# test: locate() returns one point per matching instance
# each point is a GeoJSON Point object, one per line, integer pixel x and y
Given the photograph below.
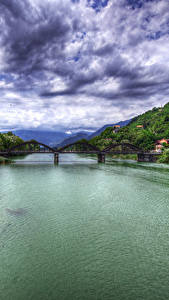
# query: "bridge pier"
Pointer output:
{"type": "Point", "coordinates": [56, 158]}
{"type": "Point", "coordinates": [101, 158]}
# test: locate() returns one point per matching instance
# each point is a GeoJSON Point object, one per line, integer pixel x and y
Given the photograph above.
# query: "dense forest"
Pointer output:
{"type": "Point", "coordinates": [142, 131]}
{"type": "Point", "coordinates": [8, 140]}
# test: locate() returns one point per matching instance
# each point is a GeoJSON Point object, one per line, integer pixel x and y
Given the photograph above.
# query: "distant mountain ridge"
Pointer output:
{"type": "Point", "coordinates": [87, 136]}
{"type": "Point", "coordinates": [46, 137]}
{"type": "Point", "coordinates": [73, 139]}
{"type": "Point", "coordinates": [99, 131]}
{"type": "Point", "coordinates": [58, 138]}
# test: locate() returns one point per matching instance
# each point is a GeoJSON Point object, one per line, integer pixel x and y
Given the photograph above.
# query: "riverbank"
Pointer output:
{"type": "Point", "coordinates": [164, 158]}
{"type": "Point", "coordinates": [4, 160]}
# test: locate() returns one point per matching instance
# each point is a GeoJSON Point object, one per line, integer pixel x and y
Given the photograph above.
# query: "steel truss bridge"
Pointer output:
{"type": "Point", "coordinates": [31, 147]}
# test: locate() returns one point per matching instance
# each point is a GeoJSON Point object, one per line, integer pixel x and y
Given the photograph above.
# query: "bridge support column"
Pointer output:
{"type": "Point", "coordinates": [101, 158]}
{"type": "Point", "coordinates": [56, 158]}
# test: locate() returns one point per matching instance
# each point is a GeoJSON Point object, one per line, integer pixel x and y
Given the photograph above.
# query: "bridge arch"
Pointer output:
{"type": "Point", "coordinates": [85, 144]}
{"type": "Point", "coordinates": [129, 147]}
{"type": "Point", "coordinates": [14, 148]}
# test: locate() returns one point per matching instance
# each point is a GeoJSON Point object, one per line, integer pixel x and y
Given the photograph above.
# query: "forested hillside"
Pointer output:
{"type": "Point", "coordinates": [154, 125]}
{"type": "Point", "coordinates": [7, 140]}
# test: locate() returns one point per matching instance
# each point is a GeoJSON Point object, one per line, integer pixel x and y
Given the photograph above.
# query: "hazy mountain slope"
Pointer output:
{"type": "Point", "coordinates": [55, 138]}
{"type": "Point", "coordinates": [99, 131]}
{"type": "Point", "coordinates": [73, 139]}
{"type": "Point", "coordinates": [88, 136]}
{"type": "Point", "coordinates": [46, 137]}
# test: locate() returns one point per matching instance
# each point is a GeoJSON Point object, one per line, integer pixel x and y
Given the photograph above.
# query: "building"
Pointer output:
{"type": "Point", "coordinates": [159, 144]}
{"type": "Point", "coordinates": [116, 128]}
{"type": "Point", "coordinates": [140, 126]}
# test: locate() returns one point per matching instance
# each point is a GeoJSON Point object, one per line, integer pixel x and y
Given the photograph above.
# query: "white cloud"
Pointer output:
{"type": "Point", "coordinates": [64, 65]}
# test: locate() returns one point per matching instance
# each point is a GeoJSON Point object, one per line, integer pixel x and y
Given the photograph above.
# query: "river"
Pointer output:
{"type": "Point", "coordinates": [83, 230]}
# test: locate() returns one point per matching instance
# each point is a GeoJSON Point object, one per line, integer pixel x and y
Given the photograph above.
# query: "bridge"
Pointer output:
{"type": "Point", "coordinates": [80, 147]}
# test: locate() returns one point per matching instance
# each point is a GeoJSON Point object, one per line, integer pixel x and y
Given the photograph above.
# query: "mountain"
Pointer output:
{"type": "Point", "coordinates": [99, 131]}
{"type": "Point", "coordinates": [73, 139]}
{"type": "Point", "coordinates": [57, 138]}
{"type": "Point", "coordinates": [45, 137]}
{"type": "Point", "coordinates": [142, 131]}
{"type": "Point", "coordinates": [88, 136]}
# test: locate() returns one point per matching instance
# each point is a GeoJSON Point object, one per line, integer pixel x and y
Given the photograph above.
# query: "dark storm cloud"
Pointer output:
{"type": "Point", "coordinates": [34, 43]}
{"type": "Point", "coordinates": [105, 50]}
{"type": "Point", "coordinates": [82, 56]}
{"type": "Point", "coordinates": [75, 82]}
{"type": "Point", "coordinates": [15, 8]}
{"type": "Point", "coordinates": [139, 3]}
{"type": "Point", "coordinates": [67, 92]}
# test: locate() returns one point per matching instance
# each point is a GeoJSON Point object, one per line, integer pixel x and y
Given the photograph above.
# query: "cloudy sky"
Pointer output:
{"type": "Point", "coordinates": [80, 64]}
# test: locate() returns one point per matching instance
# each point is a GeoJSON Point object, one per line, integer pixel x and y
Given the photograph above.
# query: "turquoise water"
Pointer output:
{"type": "Point", "coordinates": [82, 230]}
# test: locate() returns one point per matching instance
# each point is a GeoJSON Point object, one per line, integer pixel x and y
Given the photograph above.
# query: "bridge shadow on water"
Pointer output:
{"type": "Point", "coordinates": [152, 172]}
{"type": "Point", "coordinates": [86, 159]}
{"type": "Point", "coordinates": [68, 159]}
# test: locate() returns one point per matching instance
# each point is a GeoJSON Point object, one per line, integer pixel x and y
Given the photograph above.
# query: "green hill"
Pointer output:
{"type": "Point", "coordinates": [155, 124]}
{"type": "Point", "coordinates": [7, 140]}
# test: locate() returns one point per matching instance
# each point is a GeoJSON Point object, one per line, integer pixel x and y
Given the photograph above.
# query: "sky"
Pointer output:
{"type": "Point", "coordinates": [76, 65]}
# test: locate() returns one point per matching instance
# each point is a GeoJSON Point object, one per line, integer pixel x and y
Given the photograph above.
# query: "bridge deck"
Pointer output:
{"type": "Point", "coordinates": [76, 152]}
{"type": "Point", "coordinates": [47, 152]}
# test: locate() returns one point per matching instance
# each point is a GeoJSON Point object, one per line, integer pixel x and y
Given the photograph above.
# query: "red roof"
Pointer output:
{"type": "Point", "coordinates": [162, 141]}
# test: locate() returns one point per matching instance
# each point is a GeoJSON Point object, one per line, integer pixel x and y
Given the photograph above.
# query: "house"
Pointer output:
{"type": "Point", "coordinates": [116, 128]}
{"type": "Point", "coordinates": [159, 144]}
{"type": "Point", "coordinates": [140, 126]}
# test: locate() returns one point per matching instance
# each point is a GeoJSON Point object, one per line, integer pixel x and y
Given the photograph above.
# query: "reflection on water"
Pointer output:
{"type": "Point", "coordinates": [49, 158]}
{"type": "Point", "coordinates": [82, 230]}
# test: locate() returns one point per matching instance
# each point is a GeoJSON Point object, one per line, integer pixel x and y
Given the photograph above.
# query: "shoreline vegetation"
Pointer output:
{"type": "Point", "coordinates": [4, 160]}
{"type": "Point", "coordinates": [164, 158]}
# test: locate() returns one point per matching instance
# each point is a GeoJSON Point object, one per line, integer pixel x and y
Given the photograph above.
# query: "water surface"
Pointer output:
{"type": "Point", "coordinates": [82, 230]}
